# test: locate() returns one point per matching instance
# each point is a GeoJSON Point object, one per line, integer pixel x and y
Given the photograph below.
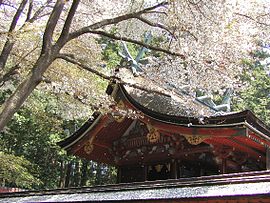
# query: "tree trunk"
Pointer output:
{"type": "Point", "coordinates": [77, 174]}
{"type": "Point", "coordinates": [68, 174]}
{"type": "Point", "coordinates": [84, 173]}
{"type": "Point", "coordinates": [5, 53]}
{"type": "Point", "coordinates": [16, 100]}
{"type": "Point", "coordinates": [62, 174]}
{"type": "Point", "coordinates": [48, 54]}
{"type": "Point", "coordinates": [98, 176]}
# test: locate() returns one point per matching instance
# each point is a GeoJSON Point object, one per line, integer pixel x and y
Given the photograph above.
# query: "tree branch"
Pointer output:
{"type": "Point", "coordinates": [39, 11]}
{"type": "Point", "coordinates": [137, 42]}
{"type": "Point", "coordinates": [93, 29]}
{"type": "Point", "coordinates": [249, 17]}
{"type": "Point", "coordinates": [65, 31]}
{"type": "Point", "coordinates": [158, 25]}
{"type": "Point", "coordinates": [69, 58]}
{"type": "Point", "coordinates": [157, 12]}
{"type": "Point", "coordinates": [111, 21]}
{"type": "Point", "coordinates": [9, 42]}
{"type": "Point", "coordinates": [190, 33]}
{"type": "Point", "coordinates": [51, 24]}
{"type": "Point", "coordinates": [17, 15]}
{"type": "Point", "coordinates": [72, 60]}
{"type": "Point", "coordinates": [29, 12]}
{"type": "Point", "coordinates": [7, 76]}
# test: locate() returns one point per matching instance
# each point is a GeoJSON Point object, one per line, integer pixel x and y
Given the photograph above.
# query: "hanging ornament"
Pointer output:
{"type": "Point", "coordinates": [89, 147]}
{"type": "Point", "coordinates": [153, 135]}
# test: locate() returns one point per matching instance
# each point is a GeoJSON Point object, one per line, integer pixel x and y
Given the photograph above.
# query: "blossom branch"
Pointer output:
{"type": "Point", "coordinates": [158, 25]}
{"type": "Point", "coordinates": [253, 19]}
{"type": "Point", "coordinates": [69, 58]}
{"type": "Point", "coordinates": [126, 39]}
{"type": "Point", "coordinates": [111, 21]}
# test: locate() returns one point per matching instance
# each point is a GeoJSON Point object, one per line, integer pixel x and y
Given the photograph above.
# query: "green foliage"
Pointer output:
{"type": "Point", "coordinates": [29, 148]}
{"type": "Point", "coordinates": [256, 97]}
{"type": "Point", "coordinates": [157, 41]}
{"type": "Point", "coordinates": [110, 50]}
{"type": "Point", "coordinates": [4, 95]}
{"type": "Point", "coordinates": [33, 134]}
{"type": "Point", "coordinates": [17, 171]}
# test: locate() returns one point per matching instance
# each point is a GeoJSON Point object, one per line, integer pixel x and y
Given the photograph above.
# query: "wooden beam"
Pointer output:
{"type": "Point", "coordinates": [90, 135]}
{"type": "Point", "coordinates": [267, 159]}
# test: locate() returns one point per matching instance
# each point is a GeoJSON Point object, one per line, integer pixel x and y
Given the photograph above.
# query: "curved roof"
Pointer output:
{"type": "Point", "coordinates": [94, 140]}
{"type": "Point", "coordinates": [217, 120]}
{"type": "Point", "coordinates": [161, 99]}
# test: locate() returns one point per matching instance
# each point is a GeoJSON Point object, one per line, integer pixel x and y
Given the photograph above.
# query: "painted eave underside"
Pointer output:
{"type": "Point", "coordinates": [241, 187]}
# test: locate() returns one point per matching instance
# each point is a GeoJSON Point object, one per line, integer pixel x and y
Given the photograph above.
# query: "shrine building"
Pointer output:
{"type": "Point", "coordinates": [158, 146]}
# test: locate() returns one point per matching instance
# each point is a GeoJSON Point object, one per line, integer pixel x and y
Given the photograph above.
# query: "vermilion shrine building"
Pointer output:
{"type": "Point", "coordinates": [158, 146]}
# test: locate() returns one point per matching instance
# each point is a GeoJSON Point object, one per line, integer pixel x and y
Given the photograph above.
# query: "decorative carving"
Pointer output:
{"type": "Point", "coordinates": [195, 139]}
{"type": "Point", "coordinates": [153, 135]}
{"type": "Point", "coordinates": [89, 147]}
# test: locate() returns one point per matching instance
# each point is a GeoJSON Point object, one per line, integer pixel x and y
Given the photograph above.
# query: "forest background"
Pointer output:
{"type": "Point", "coordinates": [58, 56]}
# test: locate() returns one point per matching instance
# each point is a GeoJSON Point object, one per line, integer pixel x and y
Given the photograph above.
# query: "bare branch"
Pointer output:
{"type": "Point", "coordinates": [39, 11]}
{"type": "Point", "coordinates": [29, 12]}
{"type": "Point", "coordinates": [158, 25]}
{"type": "Point", "coordinates": [9, 5]}
{"type": "Point", "coordinates": [65, 31]}
{"type": "Point", "coordinates": [190, 33]}
{"type": "Point", "coordinates": [17, 15]}
{"type": "Point", "coordinates": [7, 76]}
{"type": "Point", "coordinates": [51, 24]}
{"type": "Point", "coordinates": [72, 60]}
{"type": "Point", "coordinates": [111, 21]}
{"type": "Point", "coordinates": [182, 56]}
{"type": "Point", "coordinates": [157, 12]}
{"type": "Point", "coordinates": [249, 17]}
{"type": "Point", "coordinates": [9, 42]}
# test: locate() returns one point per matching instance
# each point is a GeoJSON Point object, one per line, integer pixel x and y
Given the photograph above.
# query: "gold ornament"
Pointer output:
{"type": "Point", "coordinates": [118, 117]}
{"type": "Point", "coordinates": [153, 136]}
{"type": "Point", "coordinates": [195, 139]}
{"type": "Point", "coordinates": [89, 147]}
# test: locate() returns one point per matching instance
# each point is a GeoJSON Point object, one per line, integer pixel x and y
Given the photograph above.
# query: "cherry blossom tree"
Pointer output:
{"type": "Point", "coordinates": [204, 41]}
